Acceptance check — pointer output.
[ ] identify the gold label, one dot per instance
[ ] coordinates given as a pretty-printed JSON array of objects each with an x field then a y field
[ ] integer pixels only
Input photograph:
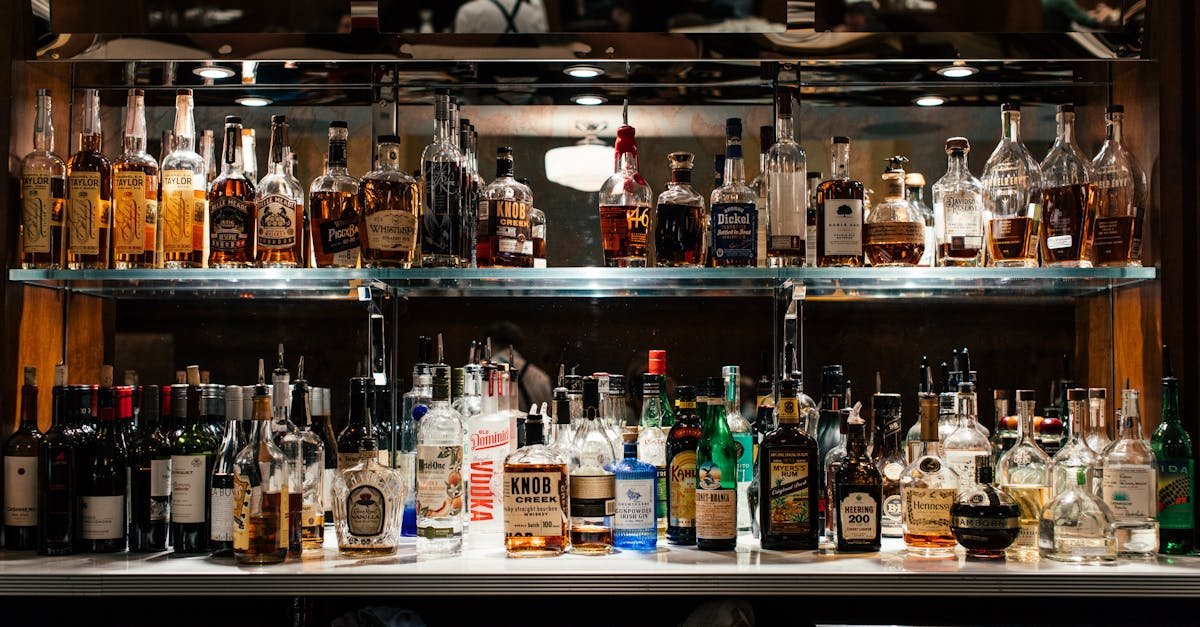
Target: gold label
[
  {"x": 129, "y": 212},
  {"x": 241, "y": 512},
  {"x": 682, "y": 482},
  {"x": 37, "y": 211},
  {"x": 716, "y": 514},
  {"x": 927, "y": 511},
  {"x": 895, "y": 233},
  {"x": 534, "y": 503},
  {"x": 787, "y": 487},
  {"x": 86, "y": 213},
  {"x": 277, "y": 225},
  {"x": 178, "y": 211},
  {"x": 391, "y": 230}
]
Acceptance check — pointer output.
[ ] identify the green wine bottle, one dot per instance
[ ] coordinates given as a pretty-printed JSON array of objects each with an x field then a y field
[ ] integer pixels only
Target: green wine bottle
[
  {"x": 1176, "y": 471},
  {"x": 716, "y": 477}
]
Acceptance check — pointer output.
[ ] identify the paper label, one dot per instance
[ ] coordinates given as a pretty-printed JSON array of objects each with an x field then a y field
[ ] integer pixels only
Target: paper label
[
  {"x": 744, "y": 442},
  {"x": 660, "y": 487},
  {"x": 858, "y": 517},
  {"x": 682, "y": 482},
  {"x": 366, "y": 511},
  {"x": 102, "y": 517},
  {"x": 635, "y": 504},
  {"x": 160, "y": 489},
  {"x": 337, "y": 236},
  {"x": 893, "y": 510},
  {"x": 1129, "y": 491},
  {"x": 37, "y": 212},
  {"x": 1176, "y": 479},
  {"x": 593, "y": 496},
  {"x": 734, "y": 231},
  {"x": 229, "y": 230},
  {"x": 927, "y": 510},
  {"x": 1057, "y": 242},
  {"x": 85, "y": 211},
  {"x": 327, "y": 475},
  {"x": 177, "y": 214},
  {"x": 391, "y": 230},
  {"x": 439, "y": 481},
  {"x": 963, "y": 465},
  {"x": 277, "y": 222},
  {"x": 895, "y": 233},
  {"x": 716, "y": 514},
  {"x": 20, "y": 491},
  {"x": 187, "y": 488},
  {"x": 964, "y": 220},
  {"x": 509, "y": 222},
  {"x": 787, "y": 485},
  {"x": 534, "y": 503},
  {"x": 810, "y": 251},
  {"x": 129, "y": 212},
  {"x": 220, "y": 502},
  {"x": 843, "y": 222},
  {"x": 487, "y": 449},
  {"x": 241, "y": 500}
]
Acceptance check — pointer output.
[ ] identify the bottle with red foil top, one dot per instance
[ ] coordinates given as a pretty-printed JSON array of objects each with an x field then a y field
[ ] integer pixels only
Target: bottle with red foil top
[
  {"x": 657, "y": 364},
  {"x": 625, "y": 201}
]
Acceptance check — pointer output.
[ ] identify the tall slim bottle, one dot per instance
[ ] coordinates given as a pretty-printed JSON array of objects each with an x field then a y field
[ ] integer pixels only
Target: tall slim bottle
[
  {"x": 391, "y": 210},
  {"x": 312, "y": 455},
  {"x": 333, "y": 207},
  {"x": 193, "y": 453},
  {"x": 89, "y": 193},
  {"x": 733, "y": 224},
  {"x": 43, "y": 194},
  {"x": 766, "y": 139},
  {"x": 743, "y": 439},
  {"x": 183, "y": 214},
  {"x": 1068, "y": 198},
  {"x": 135, "y": 192},
  {"x": 625, "y": 201},
  {"x": 260, "y": 528},
  {"x": 220, "y": 496},
  {"x": 102, "y": 479},
  {"x": 652, "y": 444},
  {"x": 442, "y": 220},
  {"x": 1024, "y": 473},
  {"x": 440, "y": 485},
  {"x": 1012, "y": 181},
  {"x": 1176, "y": 471},
  {"x": 279, "y": 210},
  {"x": 149, "y": 477},
  {"x": 787, "y": 220},
  {"x": 1121, "y": 197},
  {"x": 840, "y": 212},
  {"x": 231, "y": 205},
  {"x": 20, "y": 472},
  {"x": 58, "y": 525}
]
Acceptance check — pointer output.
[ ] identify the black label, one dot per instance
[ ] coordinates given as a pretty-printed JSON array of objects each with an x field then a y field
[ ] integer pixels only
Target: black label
[{"x": 339, "y": 235}]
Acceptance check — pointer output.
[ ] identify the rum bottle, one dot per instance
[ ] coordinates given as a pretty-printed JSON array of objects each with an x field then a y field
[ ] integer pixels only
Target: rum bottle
[
  {"x": 535, "y": 496},
  {"x": 43, "y": 191},
  {"x": 733, "y": 224},
  {"x": 333, "y": 206},
  {"x": 279, "y": 207},
  {"x": 678, "y": 218},
  {"x": 625, "y": 201},
  {"x": 928, "y": 488},
  {"x": 789, "y": 479},
  {"x": 1068, "y": 198},
  {"x": 260, "y": 526},
  {"x": 89, "y": 193},
  {"x": 20, "y": 472},
  {"x": 1172, "y": 448},
  {"x": 858, "y": 493},
  {"x": 894, "y": 233},
  {"x": 183, "y": 213},
  {"x": 1012, "y": 197},
  {"x": 504, "y": 219},
  {"x": 391, "y": 210},
  {"x": 135, "y": 192},
  {"x": 786, "y": 196},
  {"x": 442, "y": 220},
  {"x": 840, "y": 212},
  {"x": 231, "y": 205},
  {"x": 1121, "y": 197},
  {"x": 958, "y": 207}
]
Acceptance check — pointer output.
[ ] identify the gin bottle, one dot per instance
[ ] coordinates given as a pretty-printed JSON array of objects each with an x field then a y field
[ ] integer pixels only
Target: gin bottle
[
  {"x": 183, "y": 211},
  {"x": 679, "y": 217},
  {"x": 840, "y": 212},
  {"x": 279, "y": 232},
  {"x": 441, "y": 180},
  {"x": 635, "y": 525},
  {"x": 928, "y": 488},
  {"x": 914, "y": 191},
  {"x": 440, "y": 485},
  {"x": 1024, "y": 472},
  {"x": 1012, "y": 196},
  {"x": 260, "y": 489},
  {"x": 966, "y": 443},
  {"x": 652, "y": 444},
  {"x": 1121, "y": 197},
  {"x": 135, "y": 192},
  {"x": 391, "y": 210},
  {"x": 1130, "y": 478},
  {"x": 592, "y": 485},
  {"x": 1076, "y": 526},
  {"x": 1176, "y": 471},
  {"x": 89, "y": 193},
  {"x": 788, "y": 478},
  {"x": 786, "y": 196},
  {"x": 535, "y": 496},
  {"x": 1068, "y": 197},
  {"x": 231, "y": 205},
  {"x": 334, "y": 211},
  {"x": 733, "y": 225},
  {"x": 1075, "y": 454},
  {"x": 958, "y": 207},
  {"x": 894, "y": 233},
  {"x": 625, "y": 201},
  {"x": 43, "y": 191}
]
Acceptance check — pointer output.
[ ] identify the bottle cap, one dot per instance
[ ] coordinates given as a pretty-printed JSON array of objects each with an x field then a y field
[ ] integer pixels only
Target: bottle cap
[
  {"x": 591, "y": 397},
  {"x": 183, "y": 92},
  {"x": 658, "y": 362},
  {"x": 814, "y": 175},
  {"x": 716, "y": 388},
  {"x": 733, "y": 128},
  {"x": 685, "y": 393},
  {"x": 30, "y": 375},
  {"x": 1116, "y": 108},
  {"x": 650, "y": 385},
  {"x": 966, "y": 387},
  {"x": 957, "y": 143},
  {"x": 1077, "y": 394},
  {"x": 680, "y": 161},
  {"x": 338, "y": 124},
  {"x": 616, "y": 384},
  {"x": 1097, "y": 393},
  {"x": 1010, "y": 106},
  {"x": 233, "y": 119},
  {"x": 914, "y": 179},
  {"x": 1000, "y": 395},
  {"x": 388, "y": 139},
  {"x": 841, "y": 139},
  {"x": 1024, "y": 396},
  {"x": 766, "y": 138},
  {"x": 626, "y": 139}
]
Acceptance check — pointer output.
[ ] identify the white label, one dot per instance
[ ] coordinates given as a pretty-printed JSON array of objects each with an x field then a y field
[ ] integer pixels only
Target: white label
[
  {"x": 221, "y": 503},
  {"x": 858, "y": 516},
  {"x": 810, "y": 251},
  {"x": 1058, "y": 241},
  {"x": 539, "y": 262},
  {"x": 488, "y": 444},
  {"x": 892, "y": 470},
  {"x": 512, "y": 246},
  {"x": 102, "y": 517},
  {"x": 187, "y": 488},
  {"x": 843, "y": 220},
  {"x": 963, "y": 464},
  {"x": 483, "y": 210},
  {"x": 1130, "y": 491},
  {"x": 439, "y": 481},
  {"x": 635, "y": 504},
  {"x": 1027, "y": 537},
  {"x": 327, "y": 493},
  {"x": 391, "y": 230},
  {"x": 366, "y": 511},
  {"x": 160, "y": 477},
  {"x": 964, "y": 220},
  {"x": 20, "y": 491}
]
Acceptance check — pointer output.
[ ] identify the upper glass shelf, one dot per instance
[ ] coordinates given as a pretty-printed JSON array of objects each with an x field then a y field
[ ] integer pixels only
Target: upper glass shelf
[{"x": 840, "y": 284}]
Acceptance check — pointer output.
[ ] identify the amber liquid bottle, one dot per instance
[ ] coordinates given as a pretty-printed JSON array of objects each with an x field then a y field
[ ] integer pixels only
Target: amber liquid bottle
[
  {"x": 625, "y": 201},
  {"x": 840, "y": 213},
  {"x": 279, "y": 207},
  {"x": 231, "y": 206},
  {"x": 789, "y": 479},
  {"x": 858, "y": 494},
  {"x": 135, "y": 192},
  {"x": 333, "y": 198},
  {"x": 1068, "y": 198},
  {"x": 43, "y": 191},
  {"x": 391, "y": 208},
  {"x": 183, "y": 212},
  {"x": 89, "y": 193}
]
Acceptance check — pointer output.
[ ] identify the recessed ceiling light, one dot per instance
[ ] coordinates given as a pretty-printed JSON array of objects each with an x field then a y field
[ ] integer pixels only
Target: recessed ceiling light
[
  {"x": 583, "y": 71},
  {"x": 929, "y": 101},
  {"x": 253, "y": 101},
  {"x": 958, "y": 69},
  {"x": 210, "y": 70},
  {"x": 589, "y": 100}
]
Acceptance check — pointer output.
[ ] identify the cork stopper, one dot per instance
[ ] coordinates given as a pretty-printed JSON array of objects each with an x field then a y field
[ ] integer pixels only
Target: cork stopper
[
  {"x": 193, "y": 375},
  {"x": 60, "y": 375},
  {"x": 106, "y": 376},
  {"x": 30, "y": 375}
]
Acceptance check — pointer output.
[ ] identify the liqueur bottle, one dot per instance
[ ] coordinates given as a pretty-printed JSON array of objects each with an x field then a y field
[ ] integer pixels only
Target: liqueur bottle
[
  {"x": 333, "y": 207},
  {"x": 840, "y": 212},
  {"x": 833, "y": 461},
  {"x": 220, "y": 497},
  {"x": 984, "y": 519},
  {"x": 1075, "y": 455},
  {"x": 1076, "y": 526},
  {"x": 279, "y": 210},
  {"x": 858, "y": 493},
  {"x": 391, "y": 208},
  {"x": 958, "y": 206},
  {"x": 1068, "y": 198},
  {"x": 743, "y": 440},
  {"x": 592, "y": 484},
  {"x": 441, "y": 179},
  {"x": 716, "y": 477},
  {"x": 20, "y": 472},
  {"x": 440, "y": 485},
  {"x": 894, "y": 233},
  {"x": 733, "y": 224},
  {"x": 368, "y": 499},
  {"x": 786, "y": 197},
  {"x": 362, "y": 389},
  {"x": 679, "y": 218},
  {"x": 681, "y": 469},
  {"x": 1012, "y": 197},
  {"x": 965, "y": 444},
  {"x": 652, "y": 444},
  {"x": 914, "y": 192},
  {"x": 1024, "y": 473},
  {"x": 57, "y": 522},
  {"x": 625, "y": 201},
  {"x": 635, "y": 525},
  {"x": 193, "y": 454},
  {"x": 656, "y": 363},
  {"x": 135, "y": 192},
  {"x": 1172, "y": 448},
  {"x": 231, "y": 205},
  {"x": 183, "y": 211},
  {"x": 1121, "y": 197},
  {"x": 504, "y": 219},
  {"x": 928, "y": 488},
  {"x": 43, "y": 194},
  {"x": 323, "y": 427},
  {"x": 535, "y": 496},
  {"x": 149, "y": 477},
  {"x": 102, "y": 478},
  {"x": 788, "y": 474},
  {"x": 766, "y": 139},
  {"x": 89, "y": 193},
  {"x": 260, "y": 526},
  {"x": 310, "y": 451},
  {"x": 890, "y": 464},
  {"x": 1130, "y": 478}
]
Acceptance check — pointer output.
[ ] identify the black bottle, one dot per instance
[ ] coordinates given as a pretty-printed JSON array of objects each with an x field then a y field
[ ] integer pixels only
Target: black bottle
[
  {"x": 56, "y": 477},
  {"x": 681, "y": 468},
  {"x": 102, "y": 478},
  {"x": 788, "y": 479},
  {"x": 362, "y": 391},
  {"x": 858, "y": 493},
  {"x": 149, "y": 477}
]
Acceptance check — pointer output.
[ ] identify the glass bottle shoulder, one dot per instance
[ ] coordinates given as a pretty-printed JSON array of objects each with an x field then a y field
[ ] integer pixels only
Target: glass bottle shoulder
[
  {"x": 538, "y": 454},
  {"x": 507, "y": 188},
  {"x": 681, "y": 194},
  {"x": 1066, "y": 165},
  {"x": 838, "y": 188},
  {"x": 789, "y": 435},
  {"x": 88, "y": 161},
  {"x": 1170, "y": 439},
  {"x": 43, "y": 161},
  {"x": 1128, "y": 451},
  {"x": 280, "y": 184},
  {"x": 625, "y": 189},
  {"x": 336, "y": 182},
  {"x": 182, "y": 159},
  {"x": 1024, "y": 464},
  {"x": 929, "y": 471},
  {"x": 895, "y": 210},
  {"x": 733, "y": 192},
  {"x": 441, "y": 425},
  {"x": 138, "y": 158},
  {"x": 633, "y": 466},
  {"x": 441, "y": 152},
  {"x": 786, "y": 156},
  {"x": 983, "y": 495},
  {"x": 388, "y": 175},
  {"x": 966, "y": 437}
]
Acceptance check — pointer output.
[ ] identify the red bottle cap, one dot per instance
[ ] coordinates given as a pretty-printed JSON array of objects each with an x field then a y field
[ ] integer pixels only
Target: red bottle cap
[
  {"x": 658, "y": 362},
  {"x": 625, "y": 140}
]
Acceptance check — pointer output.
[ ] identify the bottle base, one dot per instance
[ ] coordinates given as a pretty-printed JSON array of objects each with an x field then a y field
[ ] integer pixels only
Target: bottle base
[
  {"x": 354, "y": 551},
  {"x": 1014, "y": 263}
]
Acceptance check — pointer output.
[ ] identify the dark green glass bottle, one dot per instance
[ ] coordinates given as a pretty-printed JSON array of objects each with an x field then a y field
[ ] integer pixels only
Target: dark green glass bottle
[
  {"x": 193, "y": 452},
  {"x": 716, "y": 478},
  {"x": 1176, "y": 471}
]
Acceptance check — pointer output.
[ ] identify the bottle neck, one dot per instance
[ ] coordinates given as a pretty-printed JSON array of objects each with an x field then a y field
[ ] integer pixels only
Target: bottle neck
[
  {"x": 681, "y": 176},
  {"x": 1066, "y": 128},
  {"x": 627, "y": 162},
  {"x": 134, "y": 140},
  {"x": 29, "y": 407},
  {"x": 90, "y": 136},
  {"x": 504, "y": 167},
  {"x": 651, "y": 408},
  {"x": 839, "y": 161},
  {"x": 1170, "y": 400},
  {"x": 1077, "y": 418},
  {"x": 915, "y": 195},
  {"x": 185, "y": 124},
  {"x": 231, "y": 149},
  {"x": 956, "y": 164},
  {"x": 278, "y": 154},
  {"x": 1025, "y": 411},
  {"x": 388, "y": 155},
  {"x": 784, "y": 129},
  {"x": 43, "y": 126},
  {"x": 1114, "y": 128},
  {"x": 443, "y": 129},
  {"x": 967, "y": 411},
  {"x": 894, "y": 182},
  {"x": 300, "y": 410},
  {"x": 1011, "y": 125},
  {"x": 337, "y": 152},
  {"x": 856, "y": 440},
  {"x": 735, "y": 166}
]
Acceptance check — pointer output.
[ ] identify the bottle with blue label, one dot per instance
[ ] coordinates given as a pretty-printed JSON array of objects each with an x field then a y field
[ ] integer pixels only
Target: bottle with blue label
[
  {"x": 733, "y": 226},
  {"x": 635, "y": 525}
]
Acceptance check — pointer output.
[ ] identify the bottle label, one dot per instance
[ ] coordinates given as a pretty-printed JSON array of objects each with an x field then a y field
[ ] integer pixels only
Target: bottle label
[
  {"x": 20, "y": 491},
  {"x": 327, "y": 475},
  {"x": 842, "y": 219},
  {"x": 1056, "y": 242},
  {"x": 129, "y": 212},
  {"x": 638, "y": 221},
  {"x": 635, "y": 505},
  {"x": 744, "y": 442},
  {"x": 893, "y": 511},
  {"x": 487, "y": 448},
  {"x": 963, "y": 465},
  {"x": 509, "y": 223},
  {"x": 241, "y": 498},
  {"x": 160, "y": 489},
  {"x": 683, "y": 489},
  {"x": 178, "y": 213},
  {"x": 391, "y": 230},
  {"x": 220, "y": 502},
  {"x": 346, "y": 460},
  {"x": 277, "y": 222},
  {"x": 37, "y": 212},
  {"x": 716, "y": 514},
  {"x": 1176, "y": 493},
  {"x": 229, "y": 229},
  {"x": 810, "y": 251},
  {"x": 593, "y": 496},
  {"x": 366, "y": 514},
  {"x": 534, "y": 503},
  {"x": 102, "y": 517},
  {"x": 927, "y": 511},
  {"x": 858, "y": 517},
  {"x": 1129, "y": 491},
  {"x": 86, "y": 212},
  {"x": 788, "y": 483},
  {"x": 439, "y": 481},
  {"x": 441, "y": 213},
  {"x": 1027, "y": 537},
  {"x": 891, "y": 472},
  {"x": 734, "y": 231},
  {"x": 337, "y": 236},
  {"x": 895, "y": 233},
  {"x": 660, "y": 491},
  {"x": 964, "y": 220},
  {"x": 982, "y": 523},
  {"x": 786, "y": 245},
  {"x": 187, "y": 488}
]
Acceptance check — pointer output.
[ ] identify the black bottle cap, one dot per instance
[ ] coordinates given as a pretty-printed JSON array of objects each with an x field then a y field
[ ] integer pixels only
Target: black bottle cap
[
  {"x": 424, "y": 349},
  {"x": 1010, "y": 106},
  {"x": 534, "y": 429},
  {"x": 1077, "y": 394},
  {"x": 685, "y": 393},
  {"x": 574, "y": 383},
  {"x": 966, "y": 387},
  {"x": 616, "y": 384},
  {"x": 279, "y": 119},
  {"x": 388, "y": 139},
  {"x": 591, "y": 397},
  {"x": 233, "y": 119},
  {"x": 733, "y": 127},
  {"x": 1066, "y": 108},
  {"x": 338, "y": 124},
  {"x": 841, "y": 139},
  {"x": 716, "y": 388},
  {"x": 766, "y": 137},
  {"x": 562, "y": 406},
  {"x": 1116, "y": 108},
  {"x": 1026, "y": 395},
  {"x": 789, "y": 387}
]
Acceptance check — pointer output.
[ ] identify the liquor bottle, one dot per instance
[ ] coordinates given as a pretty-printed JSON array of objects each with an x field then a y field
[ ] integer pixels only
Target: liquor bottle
[
  {"x": 625, "y": 201},
  {"x": 985, "y": 520},
  {"x": 789, "y": 473},
  {"x": 20, "y": 472},
  {"x": 833, "y": 397},
  {"x": 279, "y": 208},
  {"x": 894, "y": 233},
  {"x": 733, "y": 223},
  {"x": 966, "y": 443},
  {"x": 440, "y": 486},
  {"x": 716, "y": 476},
  {"x": 743, "y": 439},
  {"x": 391, "y": 208},
  {"x": 928, "y": 488},
  {"x": 249, "y": 154},
  {"x": 367, "y": 496},
  {"x": 260, "y": 488},
  {"x": 858, "y": 493},
  {"x": 102, "y": 478},
  {"x": 1024, "y": 473},
  {"x": 503, "y": 225},
  {"x": 149, "y": 477},
  {"x": 43, "y": 194},
  {"x": 285, "y": 434},
  {"x": 441, "y": 179},
  {"x": 89, "y": 193},
  {"x": 489, "y": 438},
  {"x": 1129, "y": 480},
  {"x": 1006, "y": 434},
  {"x": 323, "y": 427},
  {"x": 652, "y": 443},
  {"x": 891, "y": 463},
  {"x": 537, "y": 227},
  {"x": 1076, "y": 526},
  {"x": 766, "y": 139},
  {"x": 810, "y": 239},
  {"x": 1121, "y": 197},
  {"x": 231, "y": 205},
  {"x": 535, "y": 496},
  {"x": 1068, "y": 197},
  {"x": 1012, "y": 181},
  {"x": 57, "y": 523},
  {"x": 220, "y": 497},
  {"x": 592, "y": 483},
  {"x": 312, "y": 457},
  {"x": 678, "y": 218},
  {"x": 1075, "y": 454},
  {"x": 183, "y": 212},
  {"x": 914, "y": 192},
  {"x": 912, "y": 439},
  {"x": 635, "y": 524},
  {"x": 473, "y": 186},
  {"x": 135, "y": 192},
  {"x": 833, "y": 461},
  {"x": 718, "y": 170},
  {"x": 333, "y": 207},
  {"x": 1096, "y": 428},
  {"x": 656, "y": 363},
  {"x": 207, "y": 146},
  {"x": 681, "y": 469},
  {"x": 362, "y": 390},
  {"x": 840, "y": 212},
  {"x": 563, "y": 433},
  {"x": 786, "y": 195},
  {"x": 958, "y": 207},
  {"x": 193, "y": 455},
  {"x": 1176, "y": 471}
]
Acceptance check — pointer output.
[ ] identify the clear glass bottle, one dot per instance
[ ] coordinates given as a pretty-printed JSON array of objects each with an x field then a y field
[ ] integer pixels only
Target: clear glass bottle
[
  {"x": 260, "y": 487},
  {"x": 249, "y": 154},
  {"x": 220, "y": 498},
  {"x": 652, "y": 444},
  {"x": 391, "y": 210},
  {"x": 440, "y": 481},
  {"x": 1012, "y": 181},
  {"x": 766, "y": 139},
  {"x": 306, "y": 446},
  {"x": 562, "y": 443},
  {"x": 786, "y": 196},
  {"x": 894, "y": 233},
  {"x": 914, "y": 192},
  {"x": 840, "y": 212},
  {"x": 135, "y": 192},
  {"x": 928, "y": 488},
  {"x": 1176, "y": 471},
  {"x": 733, "y": 220},
  {"x": 1121, "y": 199},
  {"x": 43, "y": 194},
  {"x": 89, "y": 193},
  {"x": 743, "y": 439},
  {"x": 789, "y": 472},
  {"x": 1068, "y": 197},
  {"x": 535, "y": 496},
  {"x": 473, "y": 193},
  {"x": 891, "y": 462},
  {"x": 1024, "y": 473},
  {"x": 985, "y": 519},
  {"x": 1130, "y": 480},
  {"x": 1076, "y": 526},
  {"x": 1075, "y": 454},
  {"x": 1007, "y": 433},
  {"x": 1096, "y": 433},
  {"x": 279, "y": 232},
  {"x": 368, "y": 498},
  {"x": 207, "y": 149},
  {"x": 635, "y": 525},
  {"x": 231, "y": 205},
  {"x": 625, "y": 201},
  {"x": 183, "y": 210},
  {"x": 858, "y": 493},
  {"x": 679, "y": 218},
  {"x": 333, "y": 207},
  {"x": 441, "y": 192},
  {"x": 592, "y": 484},
  {"x": 966, "y": 443},
  {"x": 958, "y": 207},
  {"x": 504, "y": 220}
]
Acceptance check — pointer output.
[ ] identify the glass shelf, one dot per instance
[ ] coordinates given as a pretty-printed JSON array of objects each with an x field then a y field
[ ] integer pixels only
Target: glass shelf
[{"x": 809, "y": 283}]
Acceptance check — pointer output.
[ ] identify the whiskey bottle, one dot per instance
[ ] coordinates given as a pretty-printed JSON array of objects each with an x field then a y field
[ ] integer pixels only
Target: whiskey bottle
[
  {"x": 894, "y": 233},
  {"x": 149, "y": 476},
  {"x": 1024, "y": 472},
  {"x": 220, "y": 498},
  {"x": 928, "y": 488},
  {"x": 958, "y": 207},
  {"x": 504, "y": 220},
  {"x": 1172, "y": 446},
  {"x": 260, "y": 526},
  {"x": 1121, "y": 196},
  {"x": 231, "y": 205},
  {"x": 789, "y": 479},
  {"x": 279, "y": 210},
  {"x": 20, "y": 472},
  {"x": 89, "y": 193},
  {"x": 535, "y": 496},
  {"x": 1012, "y": 196},
  {"x": 135, "y": 192},
  {"x": 625, "y": 201},
  {"x": 891, "y": 463},
  {"x": 786, "y": 197},
  {"x": 984, "y": 519},
  {"x": 442, "y": 221},
  {"x": 333, "y": 206},
  {"x": 858, "y": 494},
  {"x": 43, "y": 194},
  {"x": 391, "y": 209},
  {"x": 766, "y": 139},
  {"x": 914, "y": 191},
  {"x": 1068, "y": 198},
  {"x": 678, "y": 218},
  {"x": 440, "y": 484},
  {"x": 840, "y": 212},
  {"x": 183, "y": 212},
  {"x": 734, "y": 220},
  {"x": 592, "y": 484}
]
